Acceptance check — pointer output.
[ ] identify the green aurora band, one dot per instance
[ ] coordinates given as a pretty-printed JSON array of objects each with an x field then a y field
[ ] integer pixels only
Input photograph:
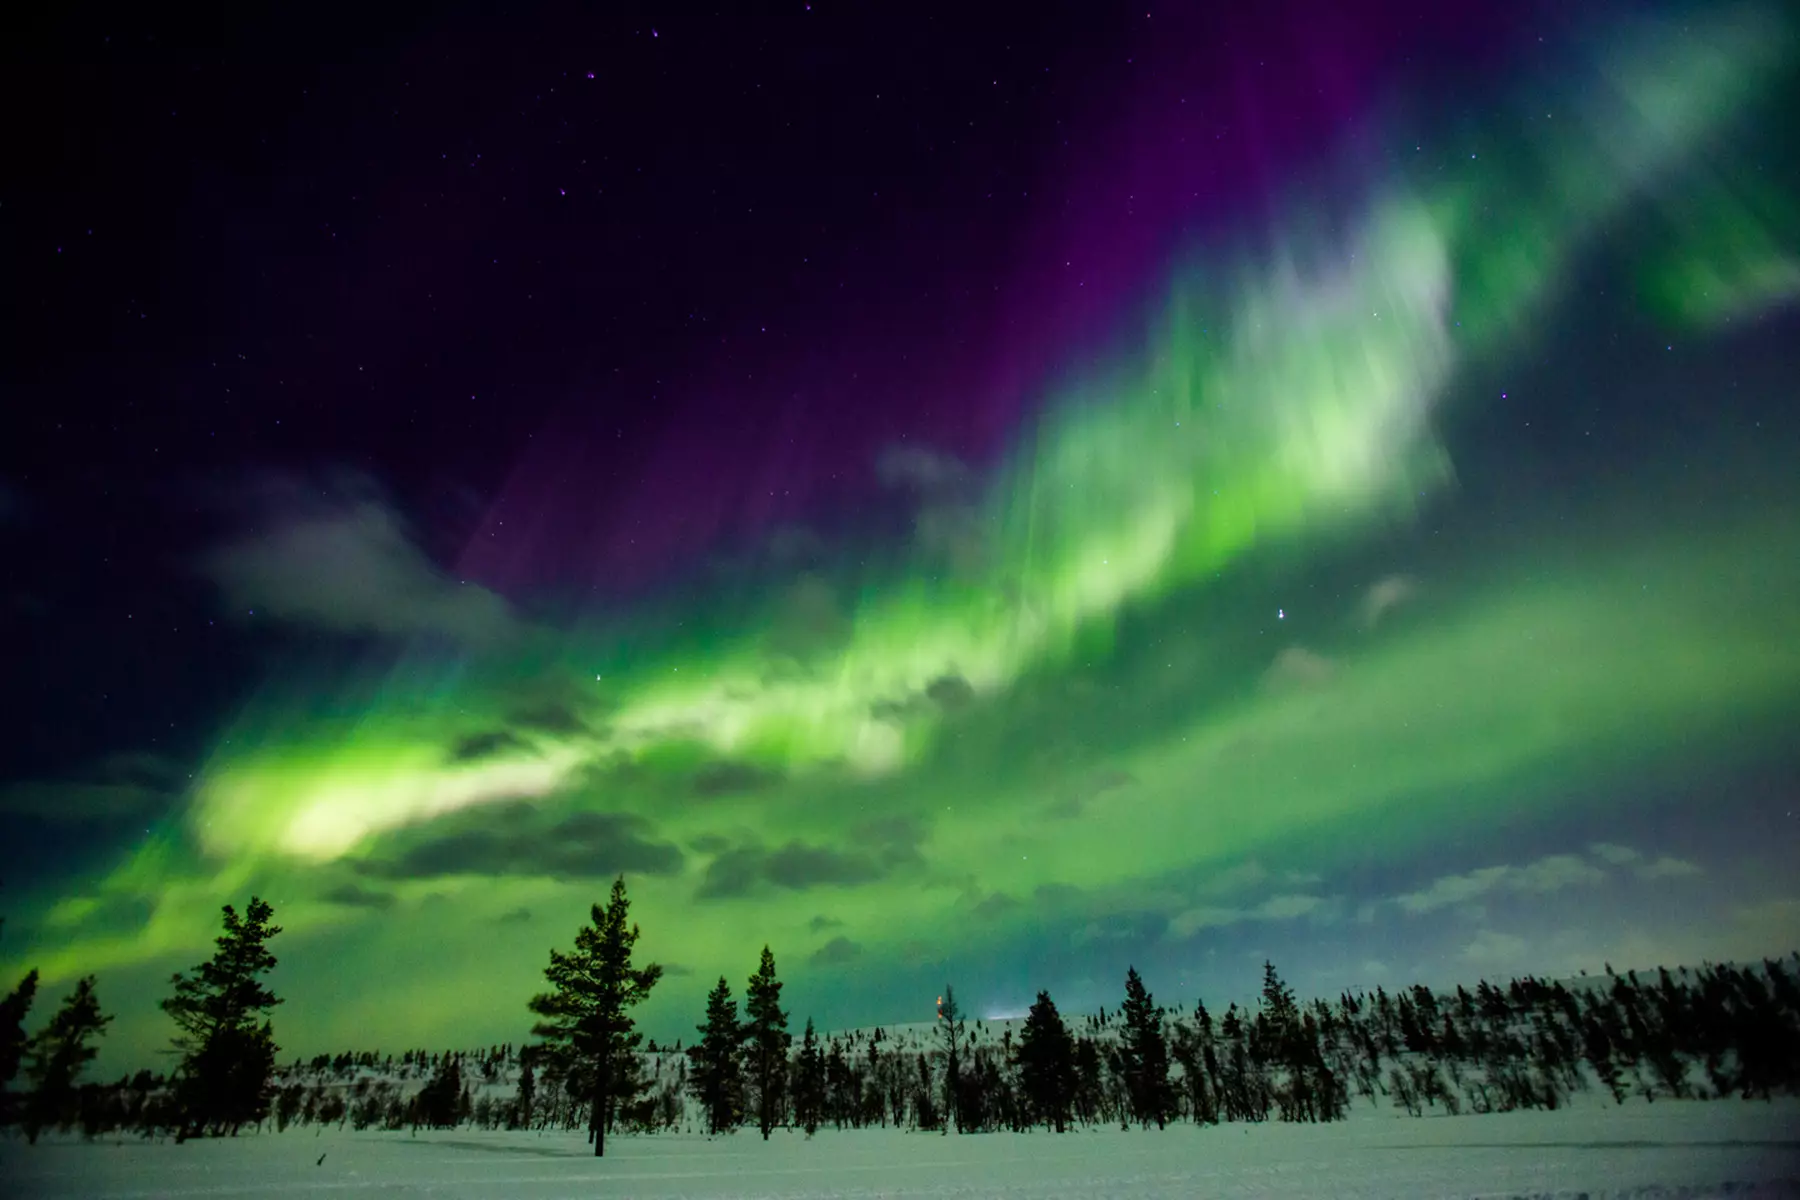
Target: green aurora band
[{"x": 1004, "y": 736}]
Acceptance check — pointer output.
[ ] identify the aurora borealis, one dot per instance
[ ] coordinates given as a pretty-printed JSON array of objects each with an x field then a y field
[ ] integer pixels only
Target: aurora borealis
[{"x": 1391, "y": 568}]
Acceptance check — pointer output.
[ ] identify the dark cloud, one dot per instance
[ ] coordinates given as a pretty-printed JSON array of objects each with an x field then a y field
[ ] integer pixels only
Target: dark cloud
[
  {"x": 516, "y": 916},
  {"x": 950, "y": 692},
  {"x": 837, "y": 950},
  {"x": 354, "y": 895},
  {"x": 348, "y": 565},
  {"x": 116, "y": 787},
  {"x": 882, "y": 847},
  {"x": 485, "y": 745},
  {"x": 710, "y": 843},
  {"x": 587, "y": 845},
  {"x": 551, "y": 716},
  {"x": 75, "y": 802},
  {"x": 676, "y": 970},
  {"x": 729, "y": 778},
  {"x": 996, "y": 905},
  {"x": 821, "y": 923}
]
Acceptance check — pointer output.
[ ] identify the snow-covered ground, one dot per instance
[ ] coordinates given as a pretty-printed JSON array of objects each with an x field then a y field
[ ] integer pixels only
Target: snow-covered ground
[{"x": 1667, "y": 1149}]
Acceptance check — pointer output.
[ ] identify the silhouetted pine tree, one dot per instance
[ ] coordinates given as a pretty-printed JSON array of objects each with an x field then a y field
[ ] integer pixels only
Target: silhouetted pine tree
[
  {"x": 765, "y": 1029},
  {"x": 59, "y": 1052},
  {"x": 587, "y": 1024},
  {"x": 227, "y": 1058},
  {"x": 951, "y": 1035},
  {"x": 717, "y": 1077},
  {"x": 809, "y": 1081},
  {"x": 439, "y": 1103},
  {"x": 1144, "y": 1055},
  {"x": 13, "y": 1011},
  {"x": 1046, "y": 1058}
]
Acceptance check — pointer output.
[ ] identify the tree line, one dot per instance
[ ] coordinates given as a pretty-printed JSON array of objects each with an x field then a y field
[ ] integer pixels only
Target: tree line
[{"x": 1710, "y": 1033}]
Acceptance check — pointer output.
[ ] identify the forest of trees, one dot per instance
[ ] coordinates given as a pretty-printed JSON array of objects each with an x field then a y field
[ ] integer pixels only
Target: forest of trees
[{"x": 1714, "y": 1032}]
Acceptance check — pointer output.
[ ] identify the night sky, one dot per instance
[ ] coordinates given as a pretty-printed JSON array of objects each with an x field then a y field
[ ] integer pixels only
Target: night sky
[{"x": 952, "y": 496}]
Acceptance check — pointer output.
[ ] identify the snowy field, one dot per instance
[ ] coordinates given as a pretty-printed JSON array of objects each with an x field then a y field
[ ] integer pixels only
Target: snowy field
[{"x": 1667, "y": 1149}]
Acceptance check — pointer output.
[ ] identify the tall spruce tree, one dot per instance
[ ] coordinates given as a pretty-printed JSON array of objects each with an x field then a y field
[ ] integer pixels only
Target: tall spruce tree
[
  {"x": 765, "y": 1029},
  {"x": 717, "y": 1077},
  {"x": 1144, "y": 1054},
  {"x": 1046, "y": 1057},
  {"x": 952, "y": 1036},
  {"x": 59, "y": 1052},
  {"x": 587, "y": 1026},
  {"x": 227, "y": 1058},
  {"x": 809, "y": 1081}
]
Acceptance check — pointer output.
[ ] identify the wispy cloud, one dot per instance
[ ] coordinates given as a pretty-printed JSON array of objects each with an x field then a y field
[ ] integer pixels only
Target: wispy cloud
[
  {"x": 1669, "y": 867},
  {"x": 1552, "y": 873},
  {"x": 1287, "y": 906},
  {"x": 349, "y": 566}
]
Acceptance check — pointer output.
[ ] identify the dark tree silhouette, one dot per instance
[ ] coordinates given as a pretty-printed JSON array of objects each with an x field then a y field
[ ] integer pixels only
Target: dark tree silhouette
[
  {"x": 765, "y": 1029},
  {"x": 439, "y": 1103},
  {"x": 1047, "y": 1064},
  {"x": 227, "y": 1058},
  {"x": 587, "y": 1026},
  {"x": 951, "y": 1034},
  {"x": 59, "y": 1052},
  {"x": 1144, "y": 1055},
  {"x": 809, "y": 1081},
  {"x": 526, "y": 1100},
  {"x": 717, "y": 1075},
  {"x": 13, "y": 1011}
]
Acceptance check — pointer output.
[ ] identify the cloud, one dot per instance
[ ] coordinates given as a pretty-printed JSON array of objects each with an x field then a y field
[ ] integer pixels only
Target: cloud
[
  {"x": 350, "y": 568},
  {"x": 551, "y": 716},
  {"x": 731, "y": 778},
  {"x": 1075, "y": 800},
  {"x": 809, "y": 619},
  {"x": 354, "y": 895},
  {"x": 1288, "y": 906},
  {"x": 1549, "y": 874},
  {"x": 921, "y": 470},
  {"x": 588, "y": 845},
  {"x": 890, "y": 844},
  {"x": 950, "y": 692},
  {"x": 1493, "y": 950},
  {"x": 1614, "y": 855},
  {"x": 996, "y": 904},
  {"x": 514, "y": 916},
  {"x": 1669, "y": 867},
  {"x": 486, "y": 745},
  {"x": 1383, "y": 596},
  {"x": 837, "y": 950},
  {"x": 1298, "y": 667},
  {"x": 116, "y": 787},
  {"x": 822, "y": 922}
]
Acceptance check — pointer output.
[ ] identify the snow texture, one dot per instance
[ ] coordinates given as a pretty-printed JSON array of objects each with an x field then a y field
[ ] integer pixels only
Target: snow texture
[{"x": 1647, "y": 1151}]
